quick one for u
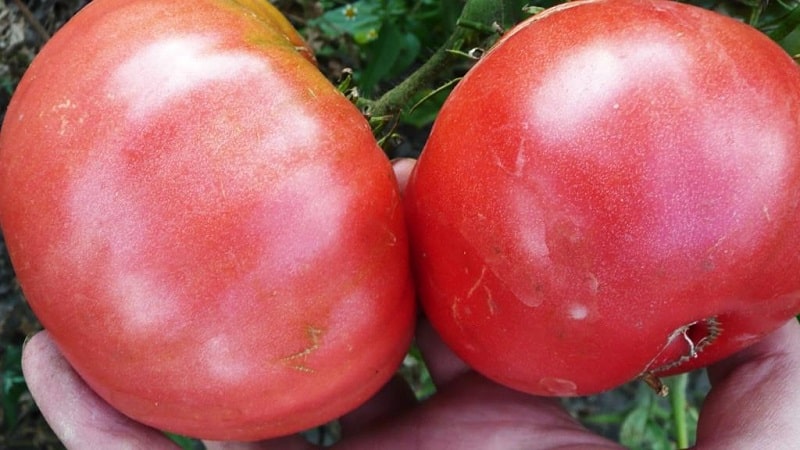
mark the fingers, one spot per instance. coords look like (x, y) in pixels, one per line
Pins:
(76, 414)
(754, 396)
(474, 413)
(81, 419)
(286, 443)
(393, 399)
(443, 365)
(402, 170)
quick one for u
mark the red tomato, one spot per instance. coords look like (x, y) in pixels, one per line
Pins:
(204, 224)
(611, 191)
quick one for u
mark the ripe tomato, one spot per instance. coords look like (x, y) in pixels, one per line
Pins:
(203, 223)
(612, 191)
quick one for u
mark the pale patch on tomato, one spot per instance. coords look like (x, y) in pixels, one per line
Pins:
(578, 311)
(527, 218)
(712, 199)
(746, 339)
(143, 303)
(558, 386)
(298, 202)
(171, 67)
(590, 83)
(287, 130)
(224, 360)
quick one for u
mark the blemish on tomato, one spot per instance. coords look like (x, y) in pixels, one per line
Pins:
(477, 282)
(592, 283)
(578, 311)
(297, 361)
(685, 343)
(490, 303)
(558, 386)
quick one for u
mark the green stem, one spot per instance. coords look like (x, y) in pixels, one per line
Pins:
(677, 400)
(479, 22)
(394, 100)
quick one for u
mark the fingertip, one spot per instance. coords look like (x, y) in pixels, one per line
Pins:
(443, 365)
(77, 415)
(295, 442)
(38, 353)
(402, 171)
(785, 341)
(753, 397)
(395, 398)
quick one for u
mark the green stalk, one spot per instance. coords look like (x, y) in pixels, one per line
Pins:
(479, 23)
(678, 403)
(394, 100)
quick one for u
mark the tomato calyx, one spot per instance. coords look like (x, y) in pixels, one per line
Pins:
(683, 344)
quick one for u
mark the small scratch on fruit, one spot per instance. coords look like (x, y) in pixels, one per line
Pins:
(490, 301)
(713, 329)
(766, 213)
(454, 312)
(62, 130)
(297, 361)
(520, 162)
(66, 104)
(391, 237)
(477, 283)
(592, 283)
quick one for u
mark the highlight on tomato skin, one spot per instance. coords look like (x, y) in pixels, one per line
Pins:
(611, 192)
(204, 224)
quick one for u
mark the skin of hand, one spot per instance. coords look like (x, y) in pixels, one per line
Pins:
(754, 402)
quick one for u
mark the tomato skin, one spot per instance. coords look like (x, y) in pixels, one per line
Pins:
(206, 227)
(613, 180)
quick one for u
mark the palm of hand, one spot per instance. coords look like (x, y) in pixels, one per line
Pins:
(753, 402)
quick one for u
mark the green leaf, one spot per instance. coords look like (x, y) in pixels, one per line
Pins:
(633, 429)
(409, 51)
(787, 26)
(184, 442)
(362, 20)
(415, 372)
(13, 385)
(487, 12)
(383, 53)
(427, 106)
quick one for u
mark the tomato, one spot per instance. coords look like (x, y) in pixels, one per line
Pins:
(611, 192)
(206, 227)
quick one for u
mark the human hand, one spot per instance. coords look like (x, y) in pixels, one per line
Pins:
(753, 402)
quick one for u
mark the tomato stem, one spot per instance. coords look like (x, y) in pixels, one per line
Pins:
(655, 383)
(480, 23)
(392, 103)
(677, 401)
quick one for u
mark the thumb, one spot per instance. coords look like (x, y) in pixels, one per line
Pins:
(754, 397)
(76, 414)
